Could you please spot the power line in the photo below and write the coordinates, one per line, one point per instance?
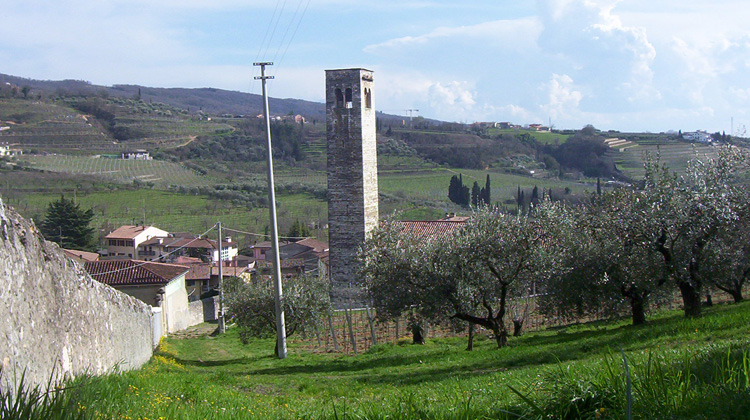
(258, 57)
(299, 22)
(264, 235)
(273, 32)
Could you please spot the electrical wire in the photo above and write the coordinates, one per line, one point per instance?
(264, 235)
(291, 22)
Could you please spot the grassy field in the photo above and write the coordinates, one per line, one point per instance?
(177, 212)
(418, 194)
(157, 172)
(676, 369)
(544, 137)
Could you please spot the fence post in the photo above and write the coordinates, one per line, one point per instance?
(397, 321)
(333, 332)
(317, 334)
(351, 329)
(372, 326)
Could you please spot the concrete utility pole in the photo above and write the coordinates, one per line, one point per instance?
(222, 321)
(280, 327)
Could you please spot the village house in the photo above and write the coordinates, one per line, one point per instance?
(299, 257)
(170, 246)
(157, 284)
(137, 155)
(124, 241)
(203, 277)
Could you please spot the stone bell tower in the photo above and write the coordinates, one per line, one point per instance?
(352, 176)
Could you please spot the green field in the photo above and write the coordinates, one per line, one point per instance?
(544, 137)
(677, 368)
(134, 191)
(158, 173)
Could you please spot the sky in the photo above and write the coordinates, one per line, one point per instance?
(628, 65)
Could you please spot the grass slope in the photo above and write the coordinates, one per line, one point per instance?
(679, 368)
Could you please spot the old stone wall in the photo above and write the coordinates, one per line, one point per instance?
(56, 320)
(203, 310)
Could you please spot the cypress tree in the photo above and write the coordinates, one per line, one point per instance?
(486, 195)
(535, 196)
(476, 195)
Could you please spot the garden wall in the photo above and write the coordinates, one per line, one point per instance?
(56, 321)
(203, 310)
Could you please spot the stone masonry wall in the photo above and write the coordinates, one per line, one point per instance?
(352, 176)
(56, 321)
(203, 310)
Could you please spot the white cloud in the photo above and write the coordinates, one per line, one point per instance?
(495, 35)
(590, 42)
(563, 98)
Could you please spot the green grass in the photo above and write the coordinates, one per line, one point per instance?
(543, 137)
(679, 368)
(432, 185)
(156, 172)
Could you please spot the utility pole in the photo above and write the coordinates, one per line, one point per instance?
(222, 322)
(280, 327)
(411, 113)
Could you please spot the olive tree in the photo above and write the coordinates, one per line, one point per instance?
(469, 275)
(727, 265)
(682, 215)
(608, 263)
(393, 280)
(251, 304)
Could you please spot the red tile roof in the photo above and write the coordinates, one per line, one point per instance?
(228, 271)
(81, 255)
(183, 242)
(199, 272)
(187, 260)
(431, 228)
(127, 232)
(316, 245)
(133, 272)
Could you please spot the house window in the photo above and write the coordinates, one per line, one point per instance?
(368, 98)
(348, 98)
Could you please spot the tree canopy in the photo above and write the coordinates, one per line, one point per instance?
(68, 225)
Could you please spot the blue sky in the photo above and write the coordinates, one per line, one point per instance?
(630, 65)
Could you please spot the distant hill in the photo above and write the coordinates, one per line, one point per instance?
(210, 100)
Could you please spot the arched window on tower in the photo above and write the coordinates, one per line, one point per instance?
(368, 98)
(339, 98)
(349, 98)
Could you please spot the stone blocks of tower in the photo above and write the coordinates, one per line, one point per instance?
(352, 177)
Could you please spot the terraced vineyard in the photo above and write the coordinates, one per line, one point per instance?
(159, 173)
(169, 131)
(43, 125)
(629, 156)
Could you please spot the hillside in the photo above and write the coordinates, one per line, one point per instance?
(209, 100)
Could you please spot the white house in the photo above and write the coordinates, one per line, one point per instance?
(124, 240)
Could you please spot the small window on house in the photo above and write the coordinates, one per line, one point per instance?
(348, 98)
(368, 98)
(339, 98)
